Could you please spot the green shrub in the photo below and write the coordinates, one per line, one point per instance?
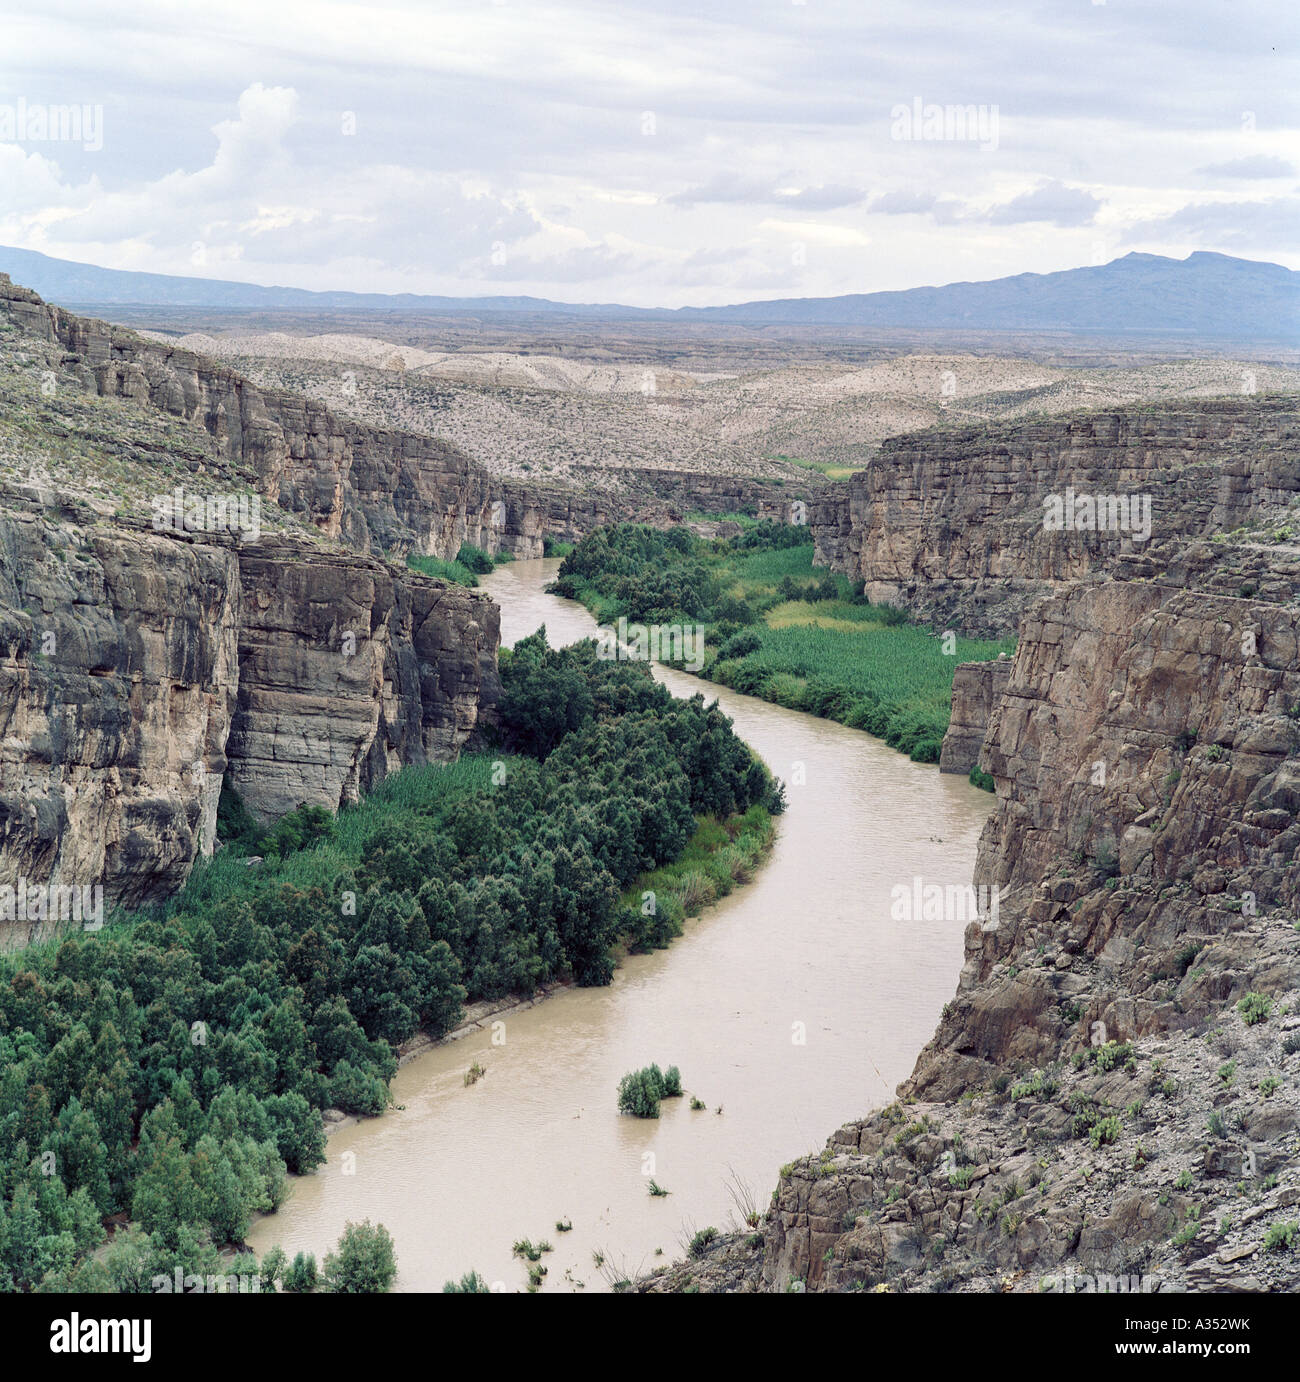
(1281, 1237)
(639, 1093)
(475, 559)
(364, 1262)
(301, 1275)
(1255, 1007)
(471, 1284)
(700, 1241)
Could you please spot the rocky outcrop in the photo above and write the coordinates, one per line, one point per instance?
(348, 670)
(976, 687)
(136, 669)
(957, 525)
(1111, 1100)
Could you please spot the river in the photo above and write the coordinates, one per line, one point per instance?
(792, 1007)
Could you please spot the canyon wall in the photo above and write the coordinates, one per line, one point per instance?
(136, 669)
(373, 488)
(950, 523)
(976, 687)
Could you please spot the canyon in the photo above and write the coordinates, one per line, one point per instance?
(141, 667)
(1113, 1089)
(1113, 1094)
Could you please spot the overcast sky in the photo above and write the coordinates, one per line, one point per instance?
(682, 152)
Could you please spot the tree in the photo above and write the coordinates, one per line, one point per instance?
(301, 1274)
(364, 1262)
(272, 1268)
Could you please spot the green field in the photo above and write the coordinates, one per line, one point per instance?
(779, 628)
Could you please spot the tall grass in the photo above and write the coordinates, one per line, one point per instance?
(453, 571)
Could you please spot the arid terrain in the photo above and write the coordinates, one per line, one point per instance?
(571, 411)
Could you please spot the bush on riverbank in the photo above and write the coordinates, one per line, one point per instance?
(778, 628)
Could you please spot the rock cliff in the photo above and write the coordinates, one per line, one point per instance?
(951, 523)
(976, 687)
(1111, 1100)
(141, 662)
(374, 488)
(137, 669)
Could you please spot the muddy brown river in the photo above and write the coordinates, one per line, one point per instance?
(793, 1006)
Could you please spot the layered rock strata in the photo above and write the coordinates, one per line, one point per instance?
(958, 525)
(137, 669)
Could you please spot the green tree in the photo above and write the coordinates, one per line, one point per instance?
(364, 1260)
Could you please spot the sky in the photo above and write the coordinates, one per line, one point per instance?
(667, 154)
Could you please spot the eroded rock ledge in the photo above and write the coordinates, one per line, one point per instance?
(137, 668)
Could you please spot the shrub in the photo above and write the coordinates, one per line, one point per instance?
(1281, 1237)
(984, 781)
(301, 1274)
(471, 1284)
(475, 559)
(364, 1262)
(639, 1092)
(1255, 1007)
(701, 1241)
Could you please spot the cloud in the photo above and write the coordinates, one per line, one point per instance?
(1052, 201)
(945, 210)
(1256, 166)
(1267, 226)
(535, 144)
(741, 190)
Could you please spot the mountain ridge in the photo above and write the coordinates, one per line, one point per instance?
(1206, 294)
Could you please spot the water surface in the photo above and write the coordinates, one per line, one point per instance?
(794, 1006)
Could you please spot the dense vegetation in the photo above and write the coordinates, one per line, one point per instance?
(640, 1091)
(469, 564)
(777, 627)
(172, 1068)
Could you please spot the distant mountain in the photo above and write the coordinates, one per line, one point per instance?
(1206, 295)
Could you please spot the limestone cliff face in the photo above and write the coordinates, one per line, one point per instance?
(349, 670)
(1147, 759)
(118, 673)
(137, 668)
(370, 487)
(976, 687)
(950, 524)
